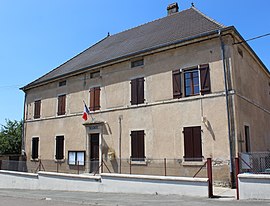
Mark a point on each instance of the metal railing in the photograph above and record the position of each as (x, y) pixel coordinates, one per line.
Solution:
(254, 162)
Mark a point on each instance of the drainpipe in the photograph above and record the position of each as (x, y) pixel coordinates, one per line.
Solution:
(23, 153)
(227, 107)
(120, 143)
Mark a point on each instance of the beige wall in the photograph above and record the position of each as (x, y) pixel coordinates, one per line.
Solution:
(252, 100)
(161, 117)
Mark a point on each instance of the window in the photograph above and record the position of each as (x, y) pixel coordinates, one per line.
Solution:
(247, 139)
(76, 157)
(94, 74)
(61, 105)
(196, 81)
(62, 83)
(95, 99)
(37, 109)
(35, 143)
(59, 148)
(137, 63)
(192, 144)
(137, 91)
(191, 82)
(137, 145)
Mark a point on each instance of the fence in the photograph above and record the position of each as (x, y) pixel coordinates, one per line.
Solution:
(147, 166)
(255, 163)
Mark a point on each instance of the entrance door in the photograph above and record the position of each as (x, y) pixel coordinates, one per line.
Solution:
(94, 153)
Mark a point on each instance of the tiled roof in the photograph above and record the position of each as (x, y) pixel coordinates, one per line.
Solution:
(164, 31)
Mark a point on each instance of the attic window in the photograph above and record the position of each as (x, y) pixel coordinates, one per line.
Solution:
(240, 52)
(94, 74)
(62, 83)
(137, 63)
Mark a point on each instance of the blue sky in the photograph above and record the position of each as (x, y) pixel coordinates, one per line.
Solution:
(37, 36)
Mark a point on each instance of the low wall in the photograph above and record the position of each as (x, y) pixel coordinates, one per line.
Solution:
(254, 186)
(146, 184)
(110, 183)
(68, 182)
(18, 180)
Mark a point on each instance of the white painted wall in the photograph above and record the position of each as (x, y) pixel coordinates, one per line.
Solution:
(254, 186)
(145, 184)
(18, 180)
(111, 183)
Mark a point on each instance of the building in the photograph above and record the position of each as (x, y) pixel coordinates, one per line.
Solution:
(182, 87)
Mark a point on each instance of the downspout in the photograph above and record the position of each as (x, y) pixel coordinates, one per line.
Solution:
(120, 143)
(227, 108)
(23, 153)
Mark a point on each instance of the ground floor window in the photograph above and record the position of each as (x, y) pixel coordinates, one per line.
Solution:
(35, 144)
(192, 144)
(137, 145)
(59, 148)
(76, 157)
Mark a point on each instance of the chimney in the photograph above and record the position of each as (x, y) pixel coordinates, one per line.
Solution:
(172, 9)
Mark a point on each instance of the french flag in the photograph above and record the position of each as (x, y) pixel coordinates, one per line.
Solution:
(86, 112)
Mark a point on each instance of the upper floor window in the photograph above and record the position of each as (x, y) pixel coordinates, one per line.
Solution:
(195, 81)
(37, 107)
(137, 91)
(59, 148)
(137, 63)
(61, 105)
(94, 74)
(62, 83)
(137, 145)
(94, 98)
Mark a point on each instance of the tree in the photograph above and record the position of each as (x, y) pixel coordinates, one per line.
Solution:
(11, 137)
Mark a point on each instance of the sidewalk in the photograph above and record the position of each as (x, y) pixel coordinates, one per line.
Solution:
(49, 198)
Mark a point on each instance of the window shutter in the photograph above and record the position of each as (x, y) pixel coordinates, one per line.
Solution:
(61, 105)
(140, 82)
(59, 154)
(92, 99)
(134, 145)
(188, 143)
(140, 141)
(205, 79)
(37, 109)
(177, 84)
(134, 92)
(197, 144)
(35, 141)
(97, 98)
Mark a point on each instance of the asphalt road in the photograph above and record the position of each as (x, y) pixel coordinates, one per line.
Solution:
(57, 198)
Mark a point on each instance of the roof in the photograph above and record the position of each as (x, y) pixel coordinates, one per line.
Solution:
(161, 32)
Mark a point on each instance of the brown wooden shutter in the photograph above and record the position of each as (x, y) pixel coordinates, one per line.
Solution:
(35, 141)
(140, 142)
(197, 143)
(140, 84)
(137, 145)
(134, 145)
(37, 109)
(134, 92)
(59, 154)
(205, 79)
(61, 105)
(92, 99)
(177, 93)
(188, 143)
(97, 98)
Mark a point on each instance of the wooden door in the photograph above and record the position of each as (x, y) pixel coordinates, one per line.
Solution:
(94, 152)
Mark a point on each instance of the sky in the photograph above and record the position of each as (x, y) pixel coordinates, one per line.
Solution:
(37, 36)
